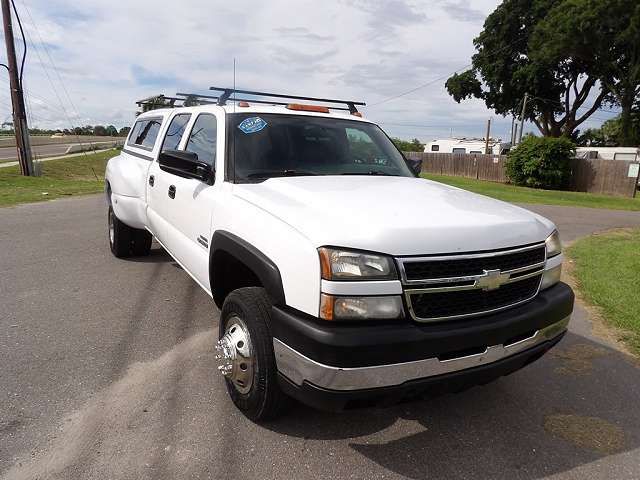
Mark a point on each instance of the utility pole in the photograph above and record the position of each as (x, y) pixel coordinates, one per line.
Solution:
(20, 126)
(486, 141)
(524, 107)
(513, 134)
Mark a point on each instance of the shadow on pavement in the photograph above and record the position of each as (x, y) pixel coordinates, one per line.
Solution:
(570, 408)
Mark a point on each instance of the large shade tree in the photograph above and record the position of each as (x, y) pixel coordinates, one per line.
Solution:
(517, 52)
(604, 35)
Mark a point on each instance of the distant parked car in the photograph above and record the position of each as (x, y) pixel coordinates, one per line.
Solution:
(57, 135)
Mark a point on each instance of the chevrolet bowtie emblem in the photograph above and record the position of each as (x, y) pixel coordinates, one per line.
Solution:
(491, 279)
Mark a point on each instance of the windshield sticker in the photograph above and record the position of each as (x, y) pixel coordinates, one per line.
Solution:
(252, 125)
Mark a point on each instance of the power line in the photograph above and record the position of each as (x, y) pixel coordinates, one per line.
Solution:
(24, 41)
(431, 82)
(53, 64)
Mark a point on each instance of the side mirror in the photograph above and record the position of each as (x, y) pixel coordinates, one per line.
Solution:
(415, 165)
(186, 165)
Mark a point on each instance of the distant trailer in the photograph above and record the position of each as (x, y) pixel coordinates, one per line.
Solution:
(467, 145)
(609, 153)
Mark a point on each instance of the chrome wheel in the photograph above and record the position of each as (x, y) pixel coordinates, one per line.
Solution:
(234, 354)
(111, 227)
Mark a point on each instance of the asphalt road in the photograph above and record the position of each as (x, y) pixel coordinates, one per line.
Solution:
(107, 371)
(9, 153)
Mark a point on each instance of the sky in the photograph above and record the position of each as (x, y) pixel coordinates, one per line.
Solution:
(88, 61)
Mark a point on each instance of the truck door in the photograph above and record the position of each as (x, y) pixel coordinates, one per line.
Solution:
(158, 183)
(194, 202)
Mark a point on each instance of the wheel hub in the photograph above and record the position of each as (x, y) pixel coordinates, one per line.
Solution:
(234, 354)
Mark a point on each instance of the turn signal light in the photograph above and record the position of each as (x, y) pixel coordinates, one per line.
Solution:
(243, 104)
(307, 108)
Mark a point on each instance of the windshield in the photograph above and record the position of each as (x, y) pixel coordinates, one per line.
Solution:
(276, 145)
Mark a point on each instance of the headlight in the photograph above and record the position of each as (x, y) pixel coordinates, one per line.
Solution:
(348, 265)
(360, 308)
(551, 277)
(554, 246)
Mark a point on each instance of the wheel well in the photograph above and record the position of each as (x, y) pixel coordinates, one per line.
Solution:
(228, 274)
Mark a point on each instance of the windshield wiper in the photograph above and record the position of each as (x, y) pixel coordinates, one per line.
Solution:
(371, 172)
(280, 173)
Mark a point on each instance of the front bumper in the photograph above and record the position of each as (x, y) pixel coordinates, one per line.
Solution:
(319, 359)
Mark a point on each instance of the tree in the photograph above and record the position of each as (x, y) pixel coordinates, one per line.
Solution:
(406, 146)
(99, 130)
(541, 162)
(124, 131)
(112, 131)
(610, 133)
(508, 64)
(604, 37)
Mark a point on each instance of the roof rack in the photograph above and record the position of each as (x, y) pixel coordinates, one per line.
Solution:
(180, 100)
(191, 99)
(227, 92)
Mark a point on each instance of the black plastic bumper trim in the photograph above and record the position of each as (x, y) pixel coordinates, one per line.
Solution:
(371, 343)
(335, 401)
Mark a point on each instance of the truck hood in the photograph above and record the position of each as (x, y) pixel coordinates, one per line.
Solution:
(394, 215)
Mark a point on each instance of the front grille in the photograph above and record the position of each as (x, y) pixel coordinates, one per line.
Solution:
(454, 286)
(458, 267)
(464, 302)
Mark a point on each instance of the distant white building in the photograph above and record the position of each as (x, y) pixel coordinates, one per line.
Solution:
(467, 145)
(609, 153)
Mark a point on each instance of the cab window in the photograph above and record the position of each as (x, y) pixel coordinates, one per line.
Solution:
(175, 131)
(202, 139)
(144, 133)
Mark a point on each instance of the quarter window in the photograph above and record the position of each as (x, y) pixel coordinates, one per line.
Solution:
(175, 131)
(435, 148)
(144, 133)
(202, 139)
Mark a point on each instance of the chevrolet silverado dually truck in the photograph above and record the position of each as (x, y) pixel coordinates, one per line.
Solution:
(343, 278)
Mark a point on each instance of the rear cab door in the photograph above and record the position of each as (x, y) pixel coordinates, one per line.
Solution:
(158, 199)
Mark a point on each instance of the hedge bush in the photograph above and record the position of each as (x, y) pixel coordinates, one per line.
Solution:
(541, 162)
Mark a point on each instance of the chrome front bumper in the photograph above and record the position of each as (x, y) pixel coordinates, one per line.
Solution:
(298, 368)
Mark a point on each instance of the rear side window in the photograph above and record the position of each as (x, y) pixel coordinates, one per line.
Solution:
(144, 133)
(459, 150)
(175, 131)
(202, 139)
(435, 148)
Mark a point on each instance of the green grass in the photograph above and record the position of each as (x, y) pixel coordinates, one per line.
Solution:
(513, 194)
(60, 178)
(607, 269)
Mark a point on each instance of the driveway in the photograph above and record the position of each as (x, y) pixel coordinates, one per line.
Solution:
(107, 371)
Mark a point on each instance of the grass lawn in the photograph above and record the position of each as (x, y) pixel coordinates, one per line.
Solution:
(513, 194)
(60, 178)
(607, 268)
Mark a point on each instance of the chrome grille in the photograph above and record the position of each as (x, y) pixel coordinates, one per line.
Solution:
(455, 286)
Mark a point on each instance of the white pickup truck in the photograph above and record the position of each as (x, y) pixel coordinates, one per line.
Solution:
(344, 280)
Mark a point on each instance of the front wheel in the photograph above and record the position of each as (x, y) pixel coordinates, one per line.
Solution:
(245, 354)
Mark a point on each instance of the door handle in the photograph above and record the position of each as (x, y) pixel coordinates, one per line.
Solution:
(152, 180)
(172, 191)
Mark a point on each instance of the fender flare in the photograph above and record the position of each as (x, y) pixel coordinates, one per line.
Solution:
(263, 267)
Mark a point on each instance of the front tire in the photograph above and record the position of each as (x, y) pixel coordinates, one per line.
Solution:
(246, 354)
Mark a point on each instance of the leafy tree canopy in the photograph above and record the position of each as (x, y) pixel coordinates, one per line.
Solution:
(406, 146)
(556, 51)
